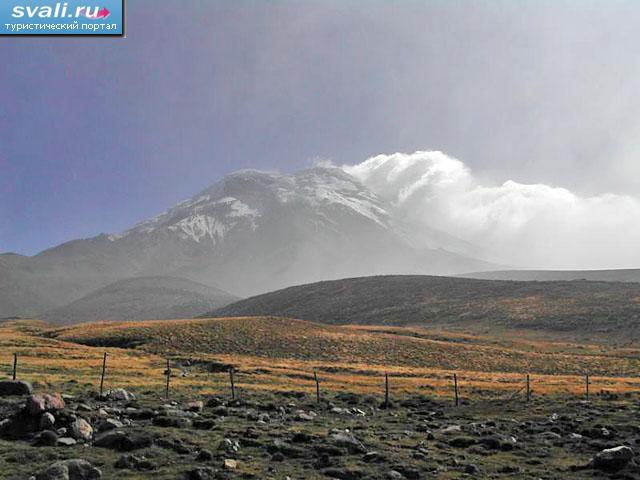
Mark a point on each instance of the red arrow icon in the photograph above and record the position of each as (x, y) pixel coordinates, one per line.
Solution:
(103, 13)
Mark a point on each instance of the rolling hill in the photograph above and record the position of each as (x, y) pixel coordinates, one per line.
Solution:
(142, 298)
(617, 275)
(287, 339)
(607, 309)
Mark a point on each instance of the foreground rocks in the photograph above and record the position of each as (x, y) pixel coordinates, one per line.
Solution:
(290, 435)
(75, 469)
(14, 387)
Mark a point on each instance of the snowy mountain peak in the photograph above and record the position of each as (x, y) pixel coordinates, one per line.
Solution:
(242, 200)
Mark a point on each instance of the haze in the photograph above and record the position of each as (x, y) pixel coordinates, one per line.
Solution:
(534, 106)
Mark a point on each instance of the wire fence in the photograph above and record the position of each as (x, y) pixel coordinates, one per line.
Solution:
(177, 377)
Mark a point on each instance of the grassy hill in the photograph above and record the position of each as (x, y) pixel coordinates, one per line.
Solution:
(616, 275)
(296, 340)
(148, 298)
(604, 310)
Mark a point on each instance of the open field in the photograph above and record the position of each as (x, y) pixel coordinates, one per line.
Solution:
(282, 354)
(276, 429)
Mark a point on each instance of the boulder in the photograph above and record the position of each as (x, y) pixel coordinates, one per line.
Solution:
(38, 404)
(47, 420)
(230, 464)
(15, 387)
(119, 394)
(612, 459)
(80, 429)
(347, 440)
(67, 441)
(47, 439)
(74, 469)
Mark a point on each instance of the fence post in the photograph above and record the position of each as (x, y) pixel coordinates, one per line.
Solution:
(386, 390)
(168, 372)
(233, 385)
(455, 388)
(104, 366)
(587, 386)
(15, 365)
(528, 388)
(315, 377)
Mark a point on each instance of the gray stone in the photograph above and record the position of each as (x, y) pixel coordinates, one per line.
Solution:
(80, 429)
(47, 420)
(67, 441)
(75, 469)
(612, 459)
(14, 387)
(119, 394)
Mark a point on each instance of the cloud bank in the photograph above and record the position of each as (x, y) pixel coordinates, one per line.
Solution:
(527, 225)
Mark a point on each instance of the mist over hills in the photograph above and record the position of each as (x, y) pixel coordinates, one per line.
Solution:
(150, 298)
(617, 275)
(249, 233)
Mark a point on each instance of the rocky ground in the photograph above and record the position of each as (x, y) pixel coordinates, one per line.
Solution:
(57, 436)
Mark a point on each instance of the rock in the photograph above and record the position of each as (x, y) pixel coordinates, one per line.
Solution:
(75, 469)
(196, 406)
(175, 422)
(119, 394)
(109, 424)
(135, 441)
(133, 462)
(80, 429)
(347, 440)
(201, 473)
(67, 441)
(462, 442)
(47, 421)
(110, 439)
(371, 457)
(38, 404)
(47, 439)
(204, 456)
(394, 475)
(612, 459)
(229, 446)
(230, 464)
(471, 469)
(343, 473)
(15, 387)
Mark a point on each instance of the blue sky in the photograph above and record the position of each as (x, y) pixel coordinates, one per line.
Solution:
(97, 134)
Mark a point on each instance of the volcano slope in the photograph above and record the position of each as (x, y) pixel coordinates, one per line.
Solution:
(584, 310)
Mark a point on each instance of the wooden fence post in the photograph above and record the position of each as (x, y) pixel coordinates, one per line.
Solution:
(455, 388)
(315, 377)
(386, 390)
(15, 365)
(233, 385)
(168, 373)
(587, 386)
(528, 388)
(104, 366)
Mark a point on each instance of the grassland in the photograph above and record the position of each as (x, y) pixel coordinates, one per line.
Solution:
(282, 354)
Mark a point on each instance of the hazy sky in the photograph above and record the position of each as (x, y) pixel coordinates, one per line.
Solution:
(97, 134)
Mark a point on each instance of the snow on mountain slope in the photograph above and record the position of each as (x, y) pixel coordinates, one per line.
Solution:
(249, 233)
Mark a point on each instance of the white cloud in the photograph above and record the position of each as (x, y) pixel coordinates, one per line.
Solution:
(532, 225)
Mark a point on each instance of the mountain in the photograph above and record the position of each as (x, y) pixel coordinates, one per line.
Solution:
(149, 298)
(618, 275)
(249, 233)
(572, 307)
